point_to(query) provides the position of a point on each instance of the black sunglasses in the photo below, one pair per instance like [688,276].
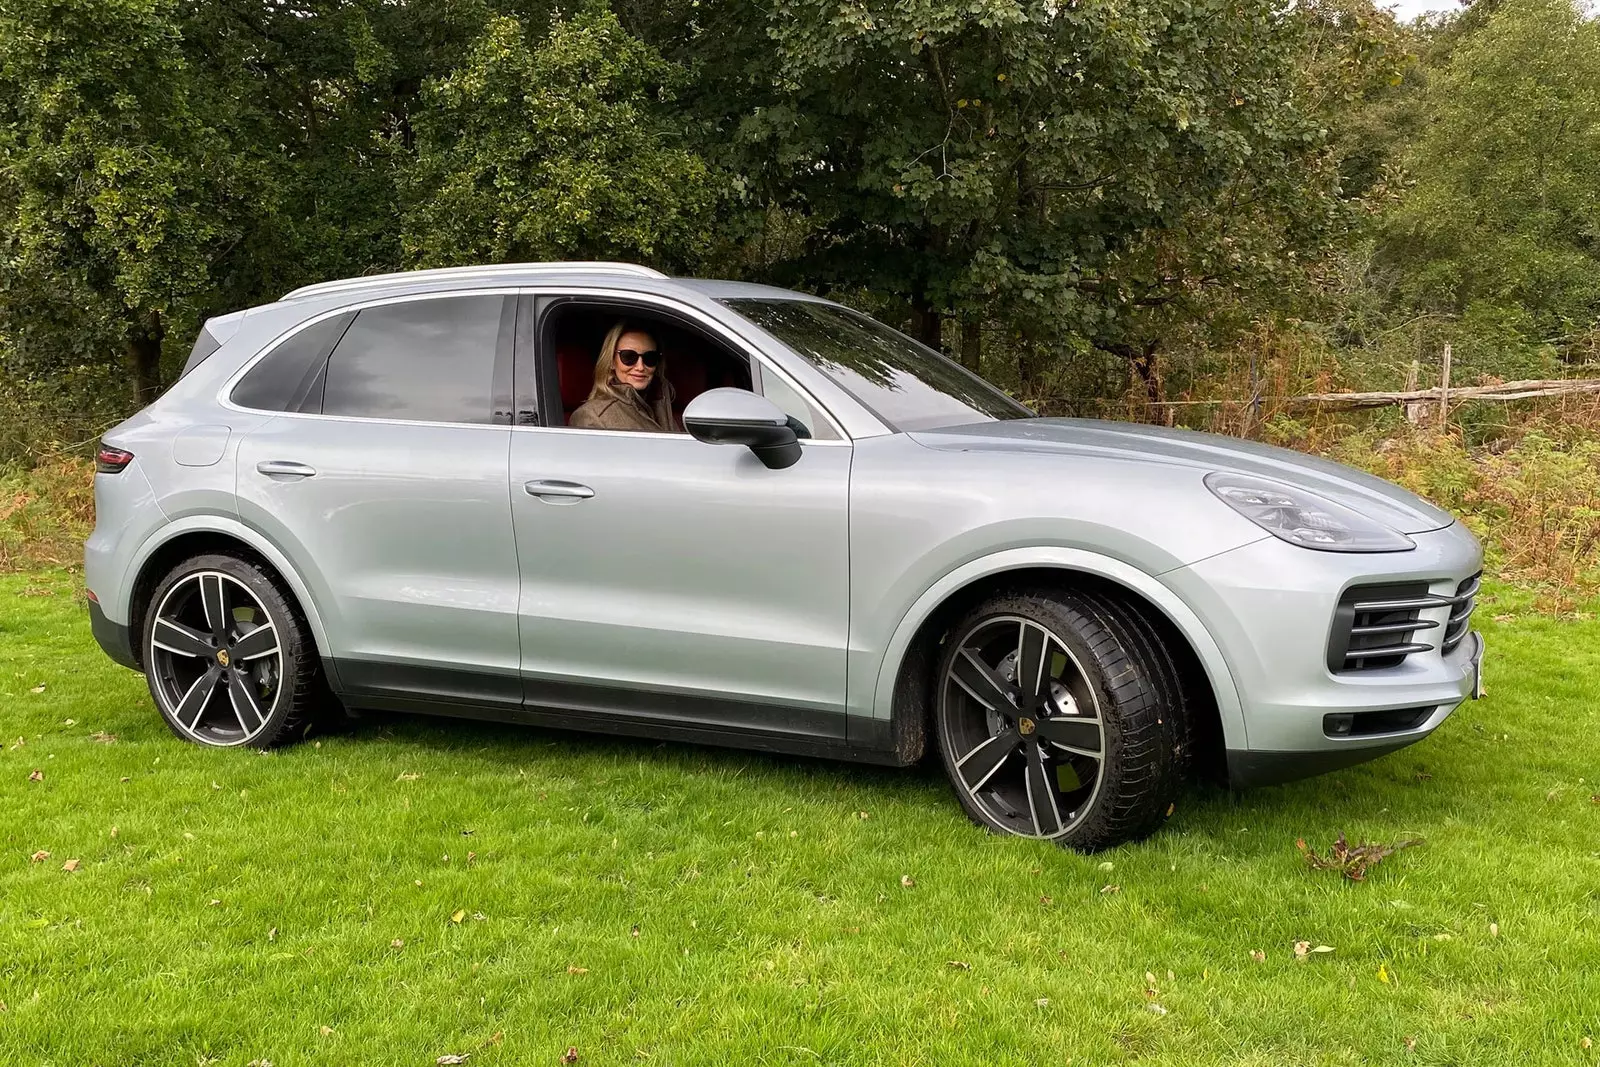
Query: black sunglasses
[630,357]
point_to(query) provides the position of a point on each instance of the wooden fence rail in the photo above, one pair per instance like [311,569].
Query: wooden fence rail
[1522,390]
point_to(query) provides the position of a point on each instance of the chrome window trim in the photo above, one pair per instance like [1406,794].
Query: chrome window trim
[712,324]
[224,395]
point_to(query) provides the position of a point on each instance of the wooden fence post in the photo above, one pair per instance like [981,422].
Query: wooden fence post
[1444,390]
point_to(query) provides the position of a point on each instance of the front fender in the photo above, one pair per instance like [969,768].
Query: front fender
[1076,561]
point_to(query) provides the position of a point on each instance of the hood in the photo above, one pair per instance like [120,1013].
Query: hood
[1382,501]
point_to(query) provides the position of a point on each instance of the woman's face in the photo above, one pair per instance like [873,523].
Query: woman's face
[639,345]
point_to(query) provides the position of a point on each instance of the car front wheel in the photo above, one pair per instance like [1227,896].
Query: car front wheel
[1058,716]
[227,657]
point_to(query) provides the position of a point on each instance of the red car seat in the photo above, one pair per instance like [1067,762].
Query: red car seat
[575,372]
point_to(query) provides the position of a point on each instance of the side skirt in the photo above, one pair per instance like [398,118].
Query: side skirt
[603,710]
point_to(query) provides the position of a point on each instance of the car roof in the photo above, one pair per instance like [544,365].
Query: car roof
[630,275]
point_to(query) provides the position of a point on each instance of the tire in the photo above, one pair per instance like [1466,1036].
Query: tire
[235,671]
[1065,702]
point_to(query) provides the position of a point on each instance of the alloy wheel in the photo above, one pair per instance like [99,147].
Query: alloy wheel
[1023,725]
[215,659]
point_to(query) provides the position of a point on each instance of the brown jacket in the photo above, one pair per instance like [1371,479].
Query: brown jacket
[614,406]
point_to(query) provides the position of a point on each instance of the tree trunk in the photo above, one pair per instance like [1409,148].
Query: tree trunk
[926,323]
[144,354]
[972,345]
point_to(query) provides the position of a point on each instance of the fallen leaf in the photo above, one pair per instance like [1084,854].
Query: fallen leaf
[38,688]
[1411,1044]
[259,1063]
[272,934]
[1301,948]
[1383,974]
[479,916]
[1042,1002]
[397,943]
[468,833]
[471,856]
[1352,861]
[70,866]
[863,815]
[577,970]
[113,831]
[1108,866]
[36,776]
[103,737]
[125,778]
[1046,901]
[907,881]
[447,1061]
[1494,929]
[1585,1043]
[458,915]
[212,903]
[70,722]
[1257,955]
[1110,889]
[1158,1009]
[635,931]
[327,1031]
[408,777]
[40,856]
[958,965]
[571,1055]
[1322,948]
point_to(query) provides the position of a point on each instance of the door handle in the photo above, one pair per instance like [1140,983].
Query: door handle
[285,468]
[547,489]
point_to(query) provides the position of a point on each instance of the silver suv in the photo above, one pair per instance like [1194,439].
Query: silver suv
[369,493]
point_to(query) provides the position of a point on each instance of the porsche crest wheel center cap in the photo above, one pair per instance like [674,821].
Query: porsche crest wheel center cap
[1025,726]
[222,657]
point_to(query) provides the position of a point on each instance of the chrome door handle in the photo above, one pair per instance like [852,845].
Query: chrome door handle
[285,468]
[546,489]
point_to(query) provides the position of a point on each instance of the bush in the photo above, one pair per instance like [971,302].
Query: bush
[46,512]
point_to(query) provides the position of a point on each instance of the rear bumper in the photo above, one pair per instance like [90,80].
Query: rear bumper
[115,638]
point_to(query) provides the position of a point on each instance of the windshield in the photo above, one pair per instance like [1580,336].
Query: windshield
[908,386]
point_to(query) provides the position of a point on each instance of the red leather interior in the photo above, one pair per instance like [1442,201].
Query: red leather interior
[688,377]
[575,371]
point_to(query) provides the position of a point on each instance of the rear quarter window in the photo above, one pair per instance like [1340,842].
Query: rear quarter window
[290,377]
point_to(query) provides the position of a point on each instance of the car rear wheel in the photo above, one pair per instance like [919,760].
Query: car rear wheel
[228,659]
[1059,718]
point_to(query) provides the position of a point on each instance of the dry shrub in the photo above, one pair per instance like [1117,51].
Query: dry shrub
[1535,502]
[46,512]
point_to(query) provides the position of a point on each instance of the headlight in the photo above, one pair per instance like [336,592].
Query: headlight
[1303,518]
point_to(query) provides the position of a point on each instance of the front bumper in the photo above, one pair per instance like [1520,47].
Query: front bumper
[1270,606]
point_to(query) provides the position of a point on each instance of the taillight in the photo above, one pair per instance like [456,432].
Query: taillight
[111,460]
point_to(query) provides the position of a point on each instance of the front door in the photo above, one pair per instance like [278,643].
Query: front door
[678,583]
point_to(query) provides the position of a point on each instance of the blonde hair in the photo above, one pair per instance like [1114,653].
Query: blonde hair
[603,365]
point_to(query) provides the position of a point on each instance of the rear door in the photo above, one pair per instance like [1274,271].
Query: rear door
[384,480]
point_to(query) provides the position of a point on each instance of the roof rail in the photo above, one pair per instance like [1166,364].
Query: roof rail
[491,271]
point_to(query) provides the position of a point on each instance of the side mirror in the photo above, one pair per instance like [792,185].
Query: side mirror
[740,417]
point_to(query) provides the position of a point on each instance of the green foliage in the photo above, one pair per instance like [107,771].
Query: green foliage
[559,149]
[1501,220]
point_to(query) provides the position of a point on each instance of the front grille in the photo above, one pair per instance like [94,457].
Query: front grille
[1461,606]
[1377,626]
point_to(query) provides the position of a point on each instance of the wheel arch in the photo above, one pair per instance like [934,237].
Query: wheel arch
[905,683]
[192,537]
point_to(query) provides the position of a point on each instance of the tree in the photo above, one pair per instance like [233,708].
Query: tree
[560,149]
[1069,170]
[1502,223]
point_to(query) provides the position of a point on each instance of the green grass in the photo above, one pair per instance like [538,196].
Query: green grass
[730,908]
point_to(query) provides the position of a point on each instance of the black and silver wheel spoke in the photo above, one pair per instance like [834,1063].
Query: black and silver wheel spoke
[246,701]
[1041,793]
[175,637]
[979,765]
[1072,733]
[216,688]
[262,641]
[193,705]
[215,600]
[980,681]
[1022,725]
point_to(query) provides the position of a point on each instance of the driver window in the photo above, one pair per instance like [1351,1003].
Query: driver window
[792,404]
[622,368]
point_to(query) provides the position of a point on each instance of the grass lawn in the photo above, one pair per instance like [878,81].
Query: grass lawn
[421,888]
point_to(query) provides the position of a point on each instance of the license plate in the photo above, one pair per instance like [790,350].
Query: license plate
[1477,670]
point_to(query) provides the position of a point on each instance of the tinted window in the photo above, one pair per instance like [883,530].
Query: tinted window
[204,345]
[907,385]
[289,378]
[422,360]
[791,403]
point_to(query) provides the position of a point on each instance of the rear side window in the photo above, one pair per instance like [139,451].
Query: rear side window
[420,360]
[204,345]
[290,377]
